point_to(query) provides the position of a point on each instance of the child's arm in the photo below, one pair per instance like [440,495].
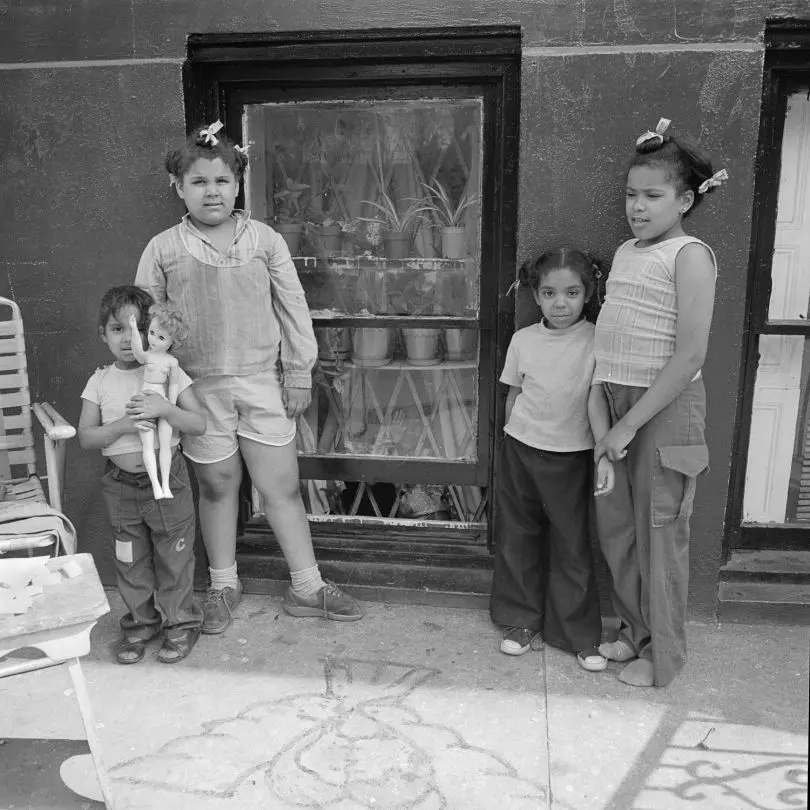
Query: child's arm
[695,281]
[598,411]
[298,347]
[514,390]
[599,416]
[95,436]
[135,340]
[150,275]
[186,416]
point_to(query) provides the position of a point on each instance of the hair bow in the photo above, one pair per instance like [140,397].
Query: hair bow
[209,132]
[715,180]
[658,135]
[243,150]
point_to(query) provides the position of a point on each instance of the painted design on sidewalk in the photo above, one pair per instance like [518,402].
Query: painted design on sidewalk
[356,745]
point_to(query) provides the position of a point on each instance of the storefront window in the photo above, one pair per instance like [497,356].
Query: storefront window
[777,483]
[379,203]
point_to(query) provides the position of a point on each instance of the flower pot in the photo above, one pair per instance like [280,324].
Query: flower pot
[331,240]
[453,243]
[422,346]
[461,343]
[334,343]
[291,232]
[372,347]
[396,244]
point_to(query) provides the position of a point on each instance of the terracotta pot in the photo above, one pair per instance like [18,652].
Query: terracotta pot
[396,244]
[461,343]
[331,239]
[422,346]
[291,232]
[372,346]
[453,243]
[334,343]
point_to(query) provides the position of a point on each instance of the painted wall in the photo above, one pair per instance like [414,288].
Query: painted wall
[91,94]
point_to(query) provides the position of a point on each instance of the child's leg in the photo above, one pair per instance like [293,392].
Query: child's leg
[133,557]
[520,565]
[165,454]
[670,454]
[274,472]
[617,526]
[173,528]
[148,444]
[573,619]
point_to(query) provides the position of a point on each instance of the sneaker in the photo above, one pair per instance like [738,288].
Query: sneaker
[519,640]
[327,603]
[219,607]
[591,659]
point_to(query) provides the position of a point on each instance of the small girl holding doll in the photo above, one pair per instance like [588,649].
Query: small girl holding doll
[235,285]
[650,344]
[544,587]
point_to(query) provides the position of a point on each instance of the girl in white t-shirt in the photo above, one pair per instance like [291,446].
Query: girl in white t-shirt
[544,588]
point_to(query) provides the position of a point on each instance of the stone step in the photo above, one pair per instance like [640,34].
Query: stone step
[765,586]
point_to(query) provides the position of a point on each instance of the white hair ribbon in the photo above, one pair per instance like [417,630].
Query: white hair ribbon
[715,180]
[209,132]
[658,135]
[513,286]
[242,149]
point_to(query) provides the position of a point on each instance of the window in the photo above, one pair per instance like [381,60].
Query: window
[775,478]
[388,162]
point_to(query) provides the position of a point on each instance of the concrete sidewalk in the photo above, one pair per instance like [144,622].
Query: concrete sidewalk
[414,707]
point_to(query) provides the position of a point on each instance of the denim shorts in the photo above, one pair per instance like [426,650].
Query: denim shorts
[247,406]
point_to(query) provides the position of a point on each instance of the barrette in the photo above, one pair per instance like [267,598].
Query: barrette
[210,131]
[715,180]
[658,135]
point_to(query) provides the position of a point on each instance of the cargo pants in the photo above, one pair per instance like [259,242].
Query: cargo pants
[644,524]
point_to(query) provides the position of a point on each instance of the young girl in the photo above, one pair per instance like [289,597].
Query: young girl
[650,343]
[544,583]
[235,285]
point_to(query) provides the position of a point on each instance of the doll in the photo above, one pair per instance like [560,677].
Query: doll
[160,374]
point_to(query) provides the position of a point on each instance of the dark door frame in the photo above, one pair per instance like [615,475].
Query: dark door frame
[222,65]
[787,66]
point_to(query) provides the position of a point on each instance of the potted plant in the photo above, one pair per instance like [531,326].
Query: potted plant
[287,220]
[450,217]
[397,227]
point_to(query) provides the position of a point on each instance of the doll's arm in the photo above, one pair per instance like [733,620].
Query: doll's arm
[173,388]
[135,340]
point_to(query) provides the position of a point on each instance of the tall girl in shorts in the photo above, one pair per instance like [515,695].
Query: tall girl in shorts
[250,353]
[544,586]
[650,344]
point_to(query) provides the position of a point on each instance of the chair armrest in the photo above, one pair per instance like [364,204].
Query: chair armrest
[55,426]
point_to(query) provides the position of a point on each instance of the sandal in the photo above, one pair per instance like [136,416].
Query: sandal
[130,650]
[178,645]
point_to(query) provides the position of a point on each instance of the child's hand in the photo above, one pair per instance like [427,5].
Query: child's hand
[296,400]
[148,405]
[614,443]
[605,477]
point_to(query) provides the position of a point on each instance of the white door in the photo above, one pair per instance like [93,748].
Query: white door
[778,392]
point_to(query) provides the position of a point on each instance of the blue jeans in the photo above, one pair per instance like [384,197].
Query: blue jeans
[154,550]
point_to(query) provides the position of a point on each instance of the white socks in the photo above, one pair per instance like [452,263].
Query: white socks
[223,577]
[306,583]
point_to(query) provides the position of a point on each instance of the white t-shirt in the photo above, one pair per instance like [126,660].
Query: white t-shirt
[554,370]
[111,388]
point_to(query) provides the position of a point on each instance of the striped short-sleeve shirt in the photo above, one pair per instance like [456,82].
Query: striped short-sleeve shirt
[635,331]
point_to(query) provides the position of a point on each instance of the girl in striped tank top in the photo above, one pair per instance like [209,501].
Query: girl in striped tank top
[650,343]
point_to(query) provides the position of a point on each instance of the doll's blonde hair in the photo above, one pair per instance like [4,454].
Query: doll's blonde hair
[170,321]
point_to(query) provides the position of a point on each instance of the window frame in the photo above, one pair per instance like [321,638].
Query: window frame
[486,57]
[786,67]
